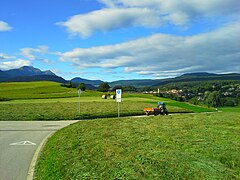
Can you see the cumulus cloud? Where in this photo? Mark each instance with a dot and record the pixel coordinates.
(191, 8)
(38, 53)
(109, 19)
(216, 51)
(4, 26)
(5, 56)
(31, 53)
(148, 14)
(14, 64)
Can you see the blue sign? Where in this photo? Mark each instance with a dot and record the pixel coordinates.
(118, 95)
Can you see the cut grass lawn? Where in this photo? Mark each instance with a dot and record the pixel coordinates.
(69, 110)
(50, 101)
(187, 146)
(37, 90)
(230, 109)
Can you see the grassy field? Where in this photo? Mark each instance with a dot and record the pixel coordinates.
(230, 109)
(34, 90)
(186, 146)
(50, 101)
(180, 146)
(65, 109)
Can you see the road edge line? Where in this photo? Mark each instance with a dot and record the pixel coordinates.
(31, 168)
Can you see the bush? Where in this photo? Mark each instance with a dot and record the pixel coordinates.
(81, 86)
(68, 85)
(230, 102)
(104, 87)
(4, 99)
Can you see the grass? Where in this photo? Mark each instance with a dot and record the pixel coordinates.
(69, 110)
(193, 146)
(230, 109)
(34, 90)
(50, 101)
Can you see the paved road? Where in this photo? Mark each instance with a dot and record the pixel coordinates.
(18, 143)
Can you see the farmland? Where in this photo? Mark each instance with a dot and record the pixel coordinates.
(50, 101)
(180, 146)
(34, 90)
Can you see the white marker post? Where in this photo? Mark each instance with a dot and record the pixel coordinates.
(118, 99)
(79, 93)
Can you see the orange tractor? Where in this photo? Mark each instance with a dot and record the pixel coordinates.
(160, 109)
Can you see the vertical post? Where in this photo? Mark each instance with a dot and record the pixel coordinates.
(118, 99)
(118, 109)
(79, 93)
(79, 104)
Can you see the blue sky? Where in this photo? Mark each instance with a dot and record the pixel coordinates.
(121, 39)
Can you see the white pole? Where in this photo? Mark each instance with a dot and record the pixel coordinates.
(119, 99)
(118, 109)
(79, 103)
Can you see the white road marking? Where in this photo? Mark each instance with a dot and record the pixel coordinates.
(23, 143)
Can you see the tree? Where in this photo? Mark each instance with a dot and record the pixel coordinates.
(104, 87)
(130, 89)
(81, 86)
(117, 87)
(214, 99)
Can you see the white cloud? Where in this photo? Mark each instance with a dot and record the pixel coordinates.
(14, 64)
(31, 53)
(38, 53)
(4, 26)
(5, 56)
(149, 14)
(109, 19)
(191, 8)
(216, 51)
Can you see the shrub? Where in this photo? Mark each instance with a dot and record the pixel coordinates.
(104, 87)
(4, 99)
(81, 86)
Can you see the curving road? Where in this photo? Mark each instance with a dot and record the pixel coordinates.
(18, 142)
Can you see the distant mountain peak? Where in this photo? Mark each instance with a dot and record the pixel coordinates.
(76, 81)
(28, 71)
(48, 72)
(29, 68)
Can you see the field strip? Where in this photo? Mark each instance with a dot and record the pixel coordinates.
(30, 175)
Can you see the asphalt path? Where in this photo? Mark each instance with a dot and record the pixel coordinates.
(18, 142)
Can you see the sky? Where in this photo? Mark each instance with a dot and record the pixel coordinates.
(121, 39)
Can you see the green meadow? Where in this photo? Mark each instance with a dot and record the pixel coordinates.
(193, 142)
(49, 101)
(34, 90)
(180, 146)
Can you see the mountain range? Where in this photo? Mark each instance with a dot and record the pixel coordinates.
(77, 81)
(29, 73)
(200, 76)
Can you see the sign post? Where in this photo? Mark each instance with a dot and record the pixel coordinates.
(79, 93)
(118, 99)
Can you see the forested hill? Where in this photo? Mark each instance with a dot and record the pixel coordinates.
(202, 76)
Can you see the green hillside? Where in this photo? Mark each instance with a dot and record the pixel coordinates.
(189, 146)
(34, 90)
(197, 77)
(49, 101)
